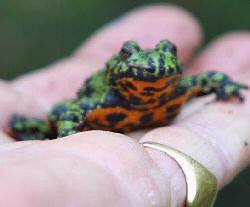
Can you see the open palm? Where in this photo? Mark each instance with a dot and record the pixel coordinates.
(99, 168)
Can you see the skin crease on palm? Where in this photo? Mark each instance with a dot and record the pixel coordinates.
(100, 168)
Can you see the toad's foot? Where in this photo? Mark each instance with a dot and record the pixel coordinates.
(22, 128)
(230, 89)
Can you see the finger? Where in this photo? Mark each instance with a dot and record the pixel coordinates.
(72, 171)
(218, 135)
(229, 53)
(147, 25)
(13, 101)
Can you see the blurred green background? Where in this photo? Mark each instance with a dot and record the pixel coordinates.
(35, 33)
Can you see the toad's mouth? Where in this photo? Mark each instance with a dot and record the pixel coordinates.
(138, 66)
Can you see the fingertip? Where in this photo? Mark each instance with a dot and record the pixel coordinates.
(147, 25)
(228, 53)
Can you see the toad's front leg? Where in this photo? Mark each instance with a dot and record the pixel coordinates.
(213, 82)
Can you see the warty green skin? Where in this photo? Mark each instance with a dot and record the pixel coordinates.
(105, 89)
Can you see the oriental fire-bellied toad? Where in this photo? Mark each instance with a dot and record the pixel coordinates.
(138, 88)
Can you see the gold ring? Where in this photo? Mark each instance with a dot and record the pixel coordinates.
(201, 183)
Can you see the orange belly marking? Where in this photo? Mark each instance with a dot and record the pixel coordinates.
(121, 119)
(161, 86)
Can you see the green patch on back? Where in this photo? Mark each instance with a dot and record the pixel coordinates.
(100, 87)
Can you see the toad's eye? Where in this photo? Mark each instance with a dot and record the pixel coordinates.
(128, 49)
(125, 52)
(166, 46)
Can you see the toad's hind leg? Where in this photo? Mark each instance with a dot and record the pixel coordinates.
(68, 116)
(213, 82)
(63, 120)
(23, 128)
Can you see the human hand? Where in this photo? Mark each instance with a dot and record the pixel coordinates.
(100, 168)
